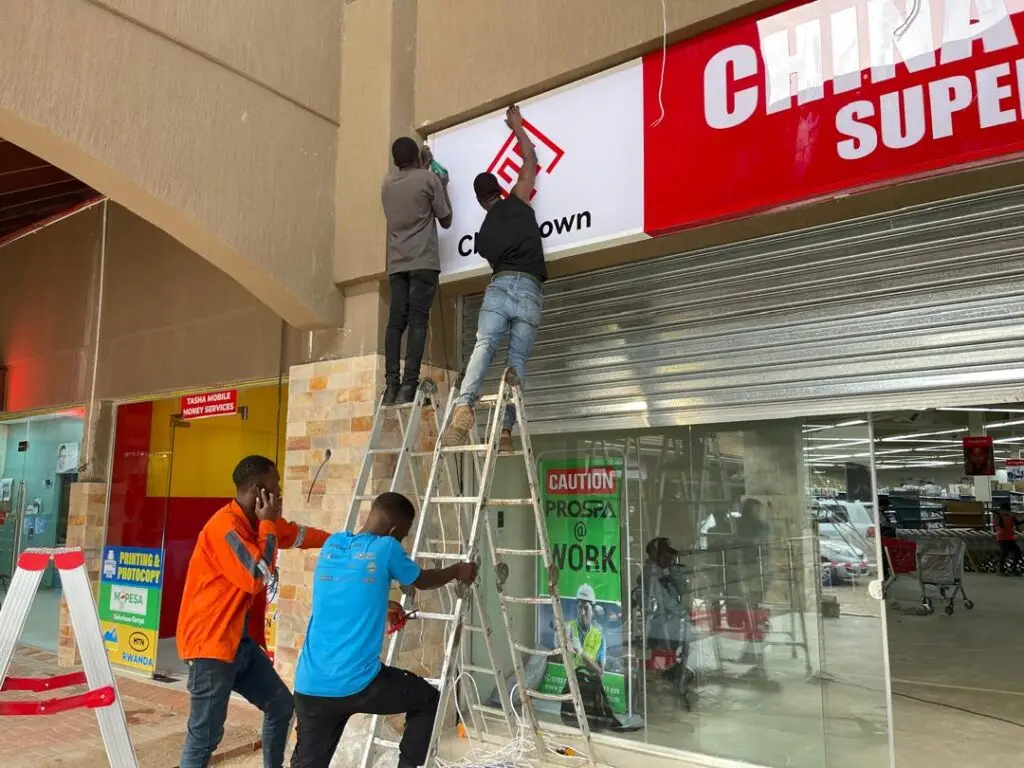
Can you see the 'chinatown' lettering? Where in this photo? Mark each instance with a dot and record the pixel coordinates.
(584, 557)
(593, 509)
(561, 226)
(793, 48)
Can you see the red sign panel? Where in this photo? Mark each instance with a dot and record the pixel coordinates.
(221, 403)
(979, 456)
(828, 96)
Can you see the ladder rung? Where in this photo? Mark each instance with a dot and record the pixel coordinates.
(398, 406)
(510, 502)
(548, 696)
(487, 400)
(470, 448)
(455, 500)
(434, 681)
(386, 743)
(364, 497)
(483, 709)
(475, 668)
(536, 651)
(435, 616)
(523, 552)
(453, 556)
(384, 451)
(526, 600)
(472, 628)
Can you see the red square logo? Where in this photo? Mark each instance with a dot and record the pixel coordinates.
(507, 164)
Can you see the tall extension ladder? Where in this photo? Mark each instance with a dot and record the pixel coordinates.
(102, 695)
(484, 455)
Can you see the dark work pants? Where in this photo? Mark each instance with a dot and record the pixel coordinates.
(1009, 553)
(210, 683)
(320, 720)
(412, 294)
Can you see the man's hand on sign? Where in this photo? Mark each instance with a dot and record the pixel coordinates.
(268, 506)
(513, 117)
(465, 573)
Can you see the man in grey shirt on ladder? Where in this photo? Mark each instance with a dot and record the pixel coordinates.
(415, 199)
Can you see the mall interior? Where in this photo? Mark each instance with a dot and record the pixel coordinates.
(812, 411)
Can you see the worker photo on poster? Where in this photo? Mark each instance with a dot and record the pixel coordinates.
(581, 499)
(67, 458)
(979, 457)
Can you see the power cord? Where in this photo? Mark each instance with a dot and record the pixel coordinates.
(327, 457)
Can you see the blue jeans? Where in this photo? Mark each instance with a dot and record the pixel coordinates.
(211, 682)
(512, 304)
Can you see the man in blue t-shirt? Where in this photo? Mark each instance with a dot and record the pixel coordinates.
(340, 673)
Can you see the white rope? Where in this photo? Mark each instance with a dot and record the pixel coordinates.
(664, 61)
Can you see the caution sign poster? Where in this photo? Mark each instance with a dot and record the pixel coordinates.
(131, 581)
(582, 502)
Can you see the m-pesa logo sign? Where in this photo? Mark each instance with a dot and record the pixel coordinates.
(829, 96)
(128, 600)
(508, 163)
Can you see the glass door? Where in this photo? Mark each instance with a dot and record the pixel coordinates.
(839, 456)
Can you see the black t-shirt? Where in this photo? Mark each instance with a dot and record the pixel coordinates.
(510, 239)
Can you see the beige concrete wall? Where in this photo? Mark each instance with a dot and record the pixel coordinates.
(419, 65)
(291, 49)
(170, 319)
(468, 63)
(210, 152)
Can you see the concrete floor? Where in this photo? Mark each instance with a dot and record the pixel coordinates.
(953, 702)
(42, 625)
(957, 684)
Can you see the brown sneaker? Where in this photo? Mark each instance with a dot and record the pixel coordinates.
(505, 444)
(458, 431)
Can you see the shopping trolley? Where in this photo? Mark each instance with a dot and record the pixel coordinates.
(940, 564)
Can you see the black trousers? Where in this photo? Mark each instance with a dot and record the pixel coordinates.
(320, 721)
(1009, 551)
(412, 294)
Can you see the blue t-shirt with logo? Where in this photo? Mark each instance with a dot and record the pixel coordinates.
(351, 584)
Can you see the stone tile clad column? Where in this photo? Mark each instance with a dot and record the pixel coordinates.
(330, 406)
(86, 517)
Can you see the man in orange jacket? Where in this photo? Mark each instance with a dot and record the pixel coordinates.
(234, 559)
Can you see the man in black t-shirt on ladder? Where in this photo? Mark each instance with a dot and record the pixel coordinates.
(510, 241)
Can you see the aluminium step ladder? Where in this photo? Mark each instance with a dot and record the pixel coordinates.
(409, 418)
(484, 458)
(102, 695)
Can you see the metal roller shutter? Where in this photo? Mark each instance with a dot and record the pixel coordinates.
(900, 310)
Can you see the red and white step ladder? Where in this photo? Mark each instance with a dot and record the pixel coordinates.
(102, 695)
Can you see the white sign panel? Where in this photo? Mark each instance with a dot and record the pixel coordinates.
(590, 184)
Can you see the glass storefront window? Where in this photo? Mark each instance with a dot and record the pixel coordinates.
(169, 475)
(717, 589)
(39, 460)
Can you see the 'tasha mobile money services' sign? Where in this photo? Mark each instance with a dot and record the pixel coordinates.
(801, 102)
(131, 581)
(224, 402)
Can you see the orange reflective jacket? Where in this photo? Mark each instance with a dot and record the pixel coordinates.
(289, 535)
(230, 565)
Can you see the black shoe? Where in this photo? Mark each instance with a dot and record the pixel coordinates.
(390, 394)
(406, 394)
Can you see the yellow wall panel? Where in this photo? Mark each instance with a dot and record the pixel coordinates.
(206, 451)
